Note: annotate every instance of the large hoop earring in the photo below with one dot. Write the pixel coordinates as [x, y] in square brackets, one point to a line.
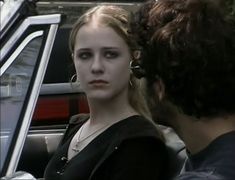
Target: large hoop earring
[74, 83]
[136, 69]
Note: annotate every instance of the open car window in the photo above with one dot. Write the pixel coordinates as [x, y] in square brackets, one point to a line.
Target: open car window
[25, 50]
[15, 82]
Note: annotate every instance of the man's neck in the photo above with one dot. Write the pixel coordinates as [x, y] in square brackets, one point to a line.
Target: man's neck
[198, 134]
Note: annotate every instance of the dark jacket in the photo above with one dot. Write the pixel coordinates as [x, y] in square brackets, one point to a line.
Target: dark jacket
[215, 162]
[129, 150]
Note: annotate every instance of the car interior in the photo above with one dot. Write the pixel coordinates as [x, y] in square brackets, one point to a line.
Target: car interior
[40, 146]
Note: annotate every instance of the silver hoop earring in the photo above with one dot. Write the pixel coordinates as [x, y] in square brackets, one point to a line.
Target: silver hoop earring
[130, 65]
[74, 83]
[134, 66]
[136, 69]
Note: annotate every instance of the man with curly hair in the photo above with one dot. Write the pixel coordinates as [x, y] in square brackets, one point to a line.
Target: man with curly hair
[188, 60]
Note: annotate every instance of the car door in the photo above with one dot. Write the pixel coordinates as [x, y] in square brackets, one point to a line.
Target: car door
[26, 43]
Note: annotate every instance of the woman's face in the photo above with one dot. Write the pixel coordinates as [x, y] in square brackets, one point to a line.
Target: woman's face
[101, 60]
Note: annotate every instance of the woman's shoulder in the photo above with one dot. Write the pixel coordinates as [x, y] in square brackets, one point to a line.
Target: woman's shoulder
[138, 127]
[79, 118]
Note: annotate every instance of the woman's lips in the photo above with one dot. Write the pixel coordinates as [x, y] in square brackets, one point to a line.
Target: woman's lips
[98, 82]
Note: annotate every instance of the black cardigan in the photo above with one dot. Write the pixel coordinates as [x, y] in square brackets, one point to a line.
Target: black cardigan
[128, 150]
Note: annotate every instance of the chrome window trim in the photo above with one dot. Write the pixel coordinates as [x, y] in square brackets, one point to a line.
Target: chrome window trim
[32, 101]
[8, 10]
[10, 24]
[33, 20]
[19, 49]
[59, 88]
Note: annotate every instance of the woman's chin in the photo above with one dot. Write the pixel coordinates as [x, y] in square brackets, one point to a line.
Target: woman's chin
[99, 96]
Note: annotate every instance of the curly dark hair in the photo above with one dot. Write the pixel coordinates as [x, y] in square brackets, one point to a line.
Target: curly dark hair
[190, 44]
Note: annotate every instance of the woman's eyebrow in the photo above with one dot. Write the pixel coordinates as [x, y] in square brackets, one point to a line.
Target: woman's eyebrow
[110, 48]
[82, 49]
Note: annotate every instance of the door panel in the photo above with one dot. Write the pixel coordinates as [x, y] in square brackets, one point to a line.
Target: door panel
[38, 149]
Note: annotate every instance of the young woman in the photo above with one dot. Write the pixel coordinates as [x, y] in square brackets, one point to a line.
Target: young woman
[116, 141]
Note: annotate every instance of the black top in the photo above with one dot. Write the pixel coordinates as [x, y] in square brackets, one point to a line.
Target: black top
[128, 150]
[216, 162]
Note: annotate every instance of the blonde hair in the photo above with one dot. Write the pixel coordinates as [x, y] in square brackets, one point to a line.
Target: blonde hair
[116, 18]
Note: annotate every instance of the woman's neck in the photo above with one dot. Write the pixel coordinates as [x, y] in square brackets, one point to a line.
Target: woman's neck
[110, 111]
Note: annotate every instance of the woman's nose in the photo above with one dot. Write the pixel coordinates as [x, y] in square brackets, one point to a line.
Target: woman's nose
[97, 65]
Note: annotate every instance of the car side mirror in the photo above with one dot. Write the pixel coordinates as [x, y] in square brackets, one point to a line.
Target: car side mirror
[19, 175]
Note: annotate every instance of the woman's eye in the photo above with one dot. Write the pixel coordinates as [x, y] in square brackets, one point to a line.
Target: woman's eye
[110, 54]
[84, 55]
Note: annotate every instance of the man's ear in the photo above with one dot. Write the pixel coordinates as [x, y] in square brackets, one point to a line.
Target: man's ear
[159, 88]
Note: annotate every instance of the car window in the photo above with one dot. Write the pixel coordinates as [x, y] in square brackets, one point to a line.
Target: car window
[26, 43]
[14, 86]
